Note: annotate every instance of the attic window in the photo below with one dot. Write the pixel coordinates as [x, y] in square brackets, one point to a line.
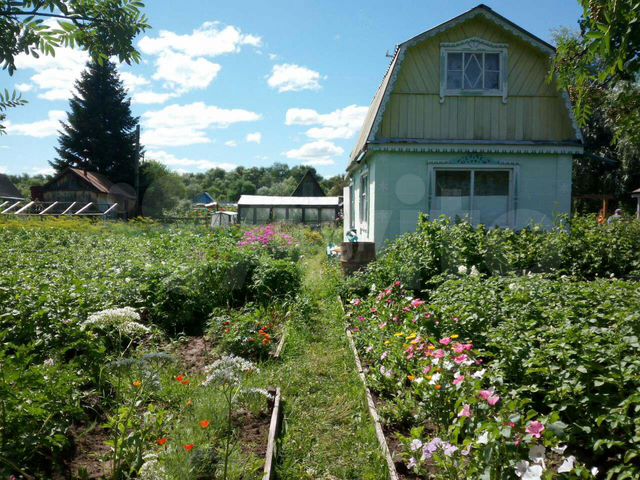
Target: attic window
[473, 67]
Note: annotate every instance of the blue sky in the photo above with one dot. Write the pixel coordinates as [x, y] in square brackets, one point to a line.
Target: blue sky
[249, 82]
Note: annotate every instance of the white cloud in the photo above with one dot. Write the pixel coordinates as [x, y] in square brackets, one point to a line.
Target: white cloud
[55, 76]
[231, 143]
[24, 87]
[149, 97]
[185, 73]
[42, 171]
[292, 78]
[208, 40]
[40, 128]
[178, 125]
[273, 56]
[254, 137]
[186, 164]
[320, 152]
[132, 81]
[340, 124]
[3, 169]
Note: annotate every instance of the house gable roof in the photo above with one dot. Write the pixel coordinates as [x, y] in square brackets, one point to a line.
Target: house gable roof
[308, 179]
[376, 111]
[8, 190]
[95, 180]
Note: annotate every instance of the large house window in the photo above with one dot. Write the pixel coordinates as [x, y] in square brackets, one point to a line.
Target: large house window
[473, 67]
[482, 196]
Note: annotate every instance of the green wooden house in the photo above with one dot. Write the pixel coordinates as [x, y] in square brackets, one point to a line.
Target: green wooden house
[466, 124]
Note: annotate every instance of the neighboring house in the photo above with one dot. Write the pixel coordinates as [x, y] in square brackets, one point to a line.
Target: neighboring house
[8, 191]
[636, 194]
[262, 209]
[464, 124]
[82, 186]
[308, 186]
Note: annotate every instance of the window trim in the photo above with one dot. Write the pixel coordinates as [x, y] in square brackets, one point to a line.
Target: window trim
[474, 45]
[363, 213]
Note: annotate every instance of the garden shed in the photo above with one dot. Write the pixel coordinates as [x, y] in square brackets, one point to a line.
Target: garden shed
[636, 194]
[308, 186]
[262, 209]
[79, 186]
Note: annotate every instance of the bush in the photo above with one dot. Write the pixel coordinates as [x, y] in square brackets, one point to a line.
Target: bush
[275, 279]
[579, 248]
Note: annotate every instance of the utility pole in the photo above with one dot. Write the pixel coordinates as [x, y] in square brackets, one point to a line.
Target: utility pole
[137, 171]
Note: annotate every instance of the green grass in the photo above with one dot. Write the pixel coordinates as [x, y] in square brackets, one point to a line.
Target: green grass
[327, 430]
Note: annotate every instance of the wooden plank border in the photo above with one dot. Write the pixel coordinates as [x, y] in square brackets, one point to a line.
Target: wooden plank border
[278, 352]
[393, 474]
[274, 431]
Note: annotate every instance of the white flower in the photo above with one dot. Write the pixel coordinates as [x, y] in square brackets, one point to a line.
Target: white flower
[474, 272]
[416, 444]
[528, 472]
[49, 362]
[418, 380]
[125, 321]
[412, 463]
[228, 370]
[483, 439]
[479, 374]
[462, 270]
[447, 365]
[559, 449]
[594, 471]
[384, 356]
[151, 469]
[536, 454]
[434, 379]
[567, 465]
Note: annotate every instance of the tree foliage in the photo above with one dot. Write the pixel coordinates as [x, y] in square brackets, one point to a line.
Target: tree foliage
[99, 134]
[103, 28]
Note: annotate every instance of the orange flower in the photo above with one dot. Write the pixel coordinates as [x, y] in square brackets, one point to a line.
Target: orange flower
[411, 378]
[189, 403]
[189, 447]
[162, 441]
[204, 424]
[185, 382]
[438, 387]
[431, 347]
[137, 384]
[179, 378]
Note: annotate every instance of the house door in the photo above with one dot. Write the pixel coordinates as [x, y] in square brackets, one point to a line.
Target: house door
[482, 195]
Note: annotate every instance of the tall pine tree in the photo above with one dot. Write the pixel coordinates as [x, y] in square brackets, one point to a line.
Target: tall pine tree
[99, 134]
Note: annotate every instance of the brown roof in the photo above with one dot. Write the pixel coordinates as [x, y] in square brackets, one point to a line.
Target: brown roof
[8, 190]
[97, 180]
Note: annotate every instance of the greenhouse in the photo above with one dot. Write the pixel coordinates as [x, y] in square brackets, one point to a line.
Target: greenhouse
[262, 209]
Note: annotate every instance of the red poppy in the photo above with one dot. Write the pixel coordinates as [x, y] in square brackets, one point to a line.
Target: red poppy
[179, 378]
[162, 441]
[204, 424]
[185, 382]
[189, 447]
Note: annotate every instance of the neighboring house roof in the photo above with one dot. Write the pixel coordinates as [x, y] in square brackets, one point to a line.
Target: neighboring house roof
[204, 197]
[308, 186]
[374, 116]
[268, 201]
[8, 191]
[94, 179]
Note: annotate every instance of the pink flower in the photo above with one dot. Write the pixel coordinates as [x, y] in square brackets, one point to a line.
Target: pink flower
[439, 353]
[357, 302]
[460, 359]
[416, 302]
[458, 348]
[535, 429]
[458, 380]
[485, 394]
[468, 346]
[383, 325]
[397, 284]
[427, 370]
[466, 411]
[362, 319]
[406, 309]
[445, 341]
[493, 399]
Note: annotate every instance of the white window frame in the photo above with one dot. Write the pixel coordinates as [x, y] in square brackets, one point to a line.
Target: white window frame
[475, 46]
[512, 170]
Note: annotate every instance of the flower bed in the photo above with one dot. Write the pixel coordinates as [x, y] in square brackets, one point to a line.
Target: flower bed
[505, 378]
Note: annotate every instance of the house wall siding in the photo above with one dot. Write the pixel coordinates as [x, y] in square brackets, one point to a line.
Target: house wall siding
[534, 111]
[542, 188]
